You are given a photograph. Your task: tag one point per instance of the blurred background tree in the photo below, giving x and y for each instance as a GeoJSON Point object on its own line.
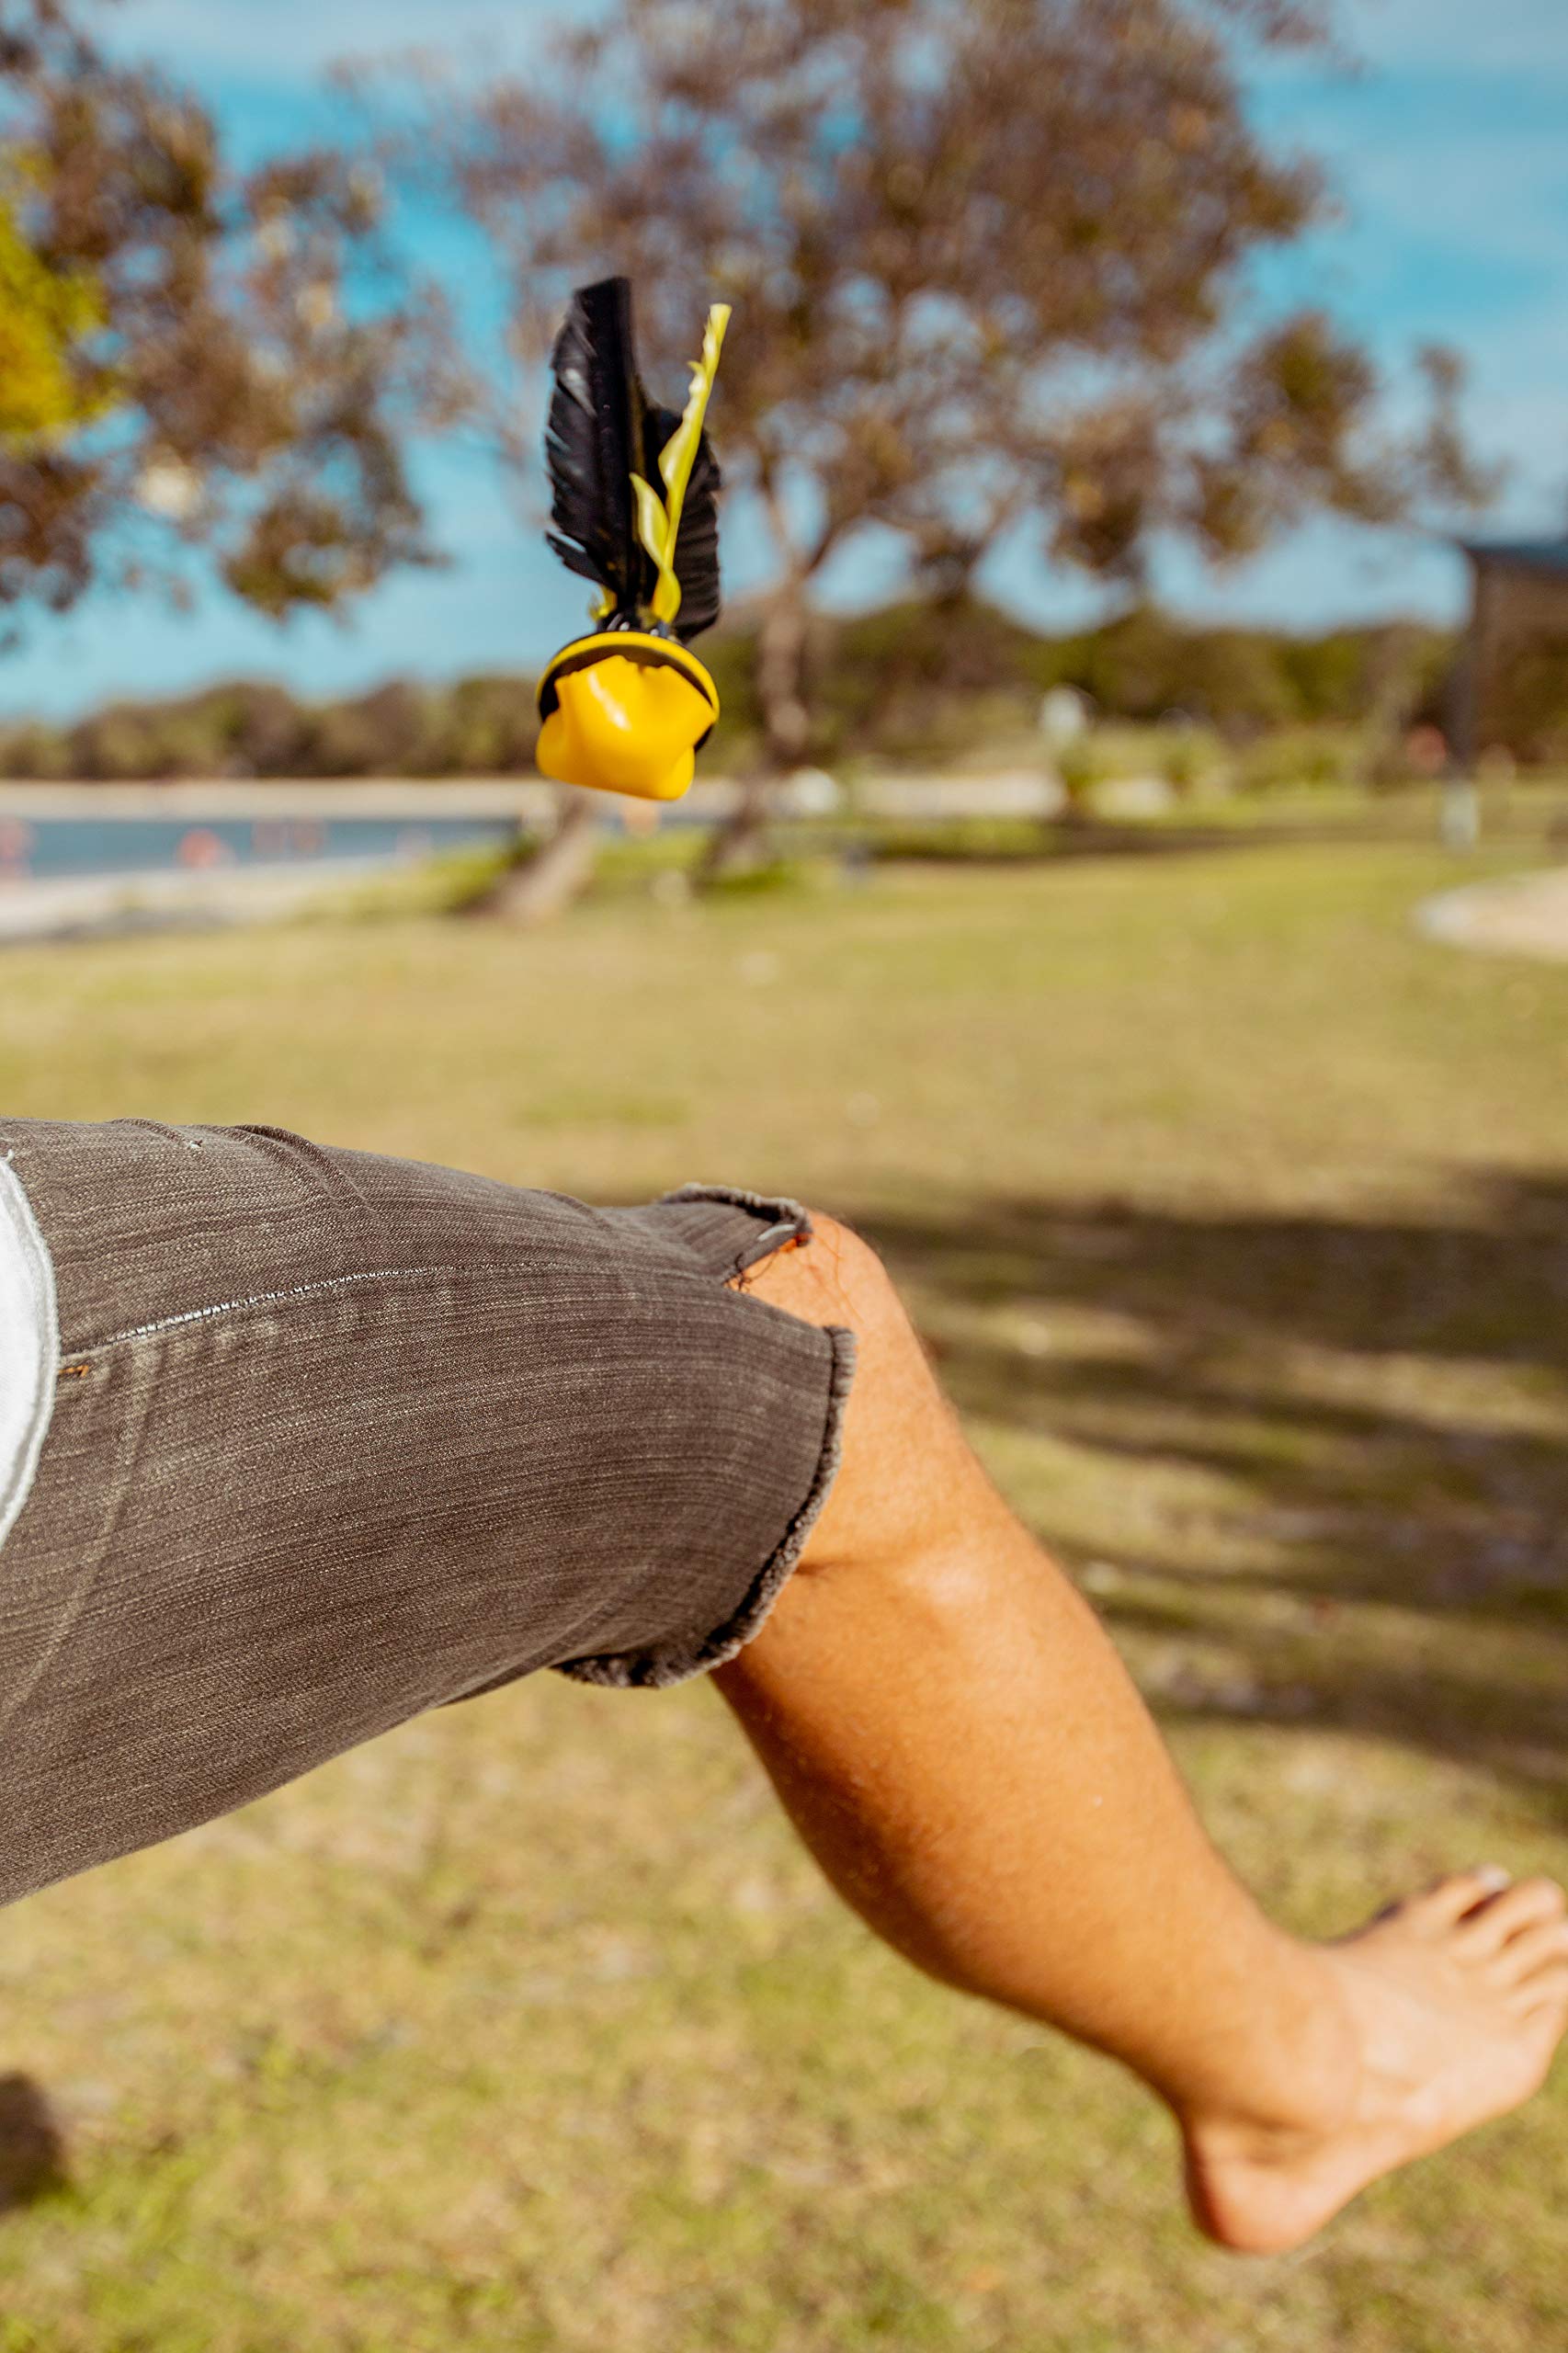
{"type": "Point", "coordinates": [196, 362]}
{"type": "Point", "coordinates": [47, 315]}
{"type": "Point", "coordinates": [989, 261]}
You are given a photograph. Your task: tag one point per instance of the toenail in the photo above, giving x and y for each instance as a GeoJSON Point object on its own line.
{"type": "Point", "coordinates": [1494, 1876]}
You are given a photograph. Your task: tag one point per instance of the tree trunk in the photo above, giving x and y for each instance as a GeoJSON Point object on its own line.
{"type": "Point", "coordinates": [740, 842]}
{"type": "Point", "coordinates": [557, 872]}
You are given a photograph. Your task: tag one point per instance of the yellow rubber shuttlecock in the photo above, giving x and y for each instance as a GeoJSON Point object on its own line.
{"type": "Point", "coordinates": [625, 712]}
{"type": "Point", "coordinates": [634, 508]}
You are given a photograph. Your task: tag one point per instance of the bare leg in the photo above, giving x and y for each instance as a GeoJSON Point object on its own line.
{"type": "Point", "coordinates": [960, 1749]}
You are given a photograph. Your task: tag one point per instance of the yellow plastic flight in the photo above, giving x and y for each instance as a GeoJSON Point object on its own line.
{"type": "Point", "coordinates": [658, 519]}
{"type": "Point", "coordinates": [625, 711]}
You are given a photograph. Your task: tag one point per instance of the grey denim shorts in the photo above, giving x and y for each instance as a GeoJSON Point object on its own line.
{"type": "Point", "coordinates": [338, 1438]}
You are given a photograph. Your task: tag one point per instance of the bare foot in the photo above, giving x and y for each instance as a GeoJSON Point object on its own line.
{"type": "Point", "coordinates": [1457, 2001]}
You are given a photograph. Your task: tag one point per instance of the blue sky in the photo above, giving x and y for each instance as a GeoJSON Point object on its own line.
{"type": "Point", "coordinates": [1448, 154]}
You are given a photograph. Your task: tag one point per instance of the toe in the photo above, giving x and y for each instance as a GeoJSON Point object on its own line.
{"type": "Point", "coordinates": [1487, 1927]}
{"type": "Point", "coordinates": [1544, 1994]}
{"type": "Point", "coordinates": [1535, 1948]}
{"type": "Point", "coordinates": [1447, 1900]}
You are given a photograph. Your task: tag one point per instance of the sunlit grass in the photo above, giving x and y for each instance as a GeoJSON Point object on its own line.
{"type": "Point", "coordinates": [1237, 1217]}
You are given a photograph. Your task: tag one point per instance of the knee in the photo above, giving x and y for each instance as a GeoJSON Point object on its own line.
{"type": "Point", "coordinates": [851, 1271]}
{"type": "Point", "coordinates": [834, 1277]}
{"type": "Point", "coordinates": [901, 1453]}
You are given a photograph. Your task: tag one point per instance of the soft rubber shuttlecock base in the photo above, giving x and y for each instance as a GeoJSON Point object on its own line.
{"type": "Point", "coordinates": [625, 712]}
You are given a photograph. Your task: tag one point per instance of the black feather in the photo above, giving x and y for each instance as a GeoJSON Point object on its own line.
{"type": "Point", "coordinates": [595, 442]}
{"type": "Point", "coordinates": [601, 430]}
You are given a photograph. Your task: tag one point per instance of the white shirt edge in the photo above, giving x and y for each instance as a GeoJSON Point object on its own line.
{"type": "Point", "coordinates": [40, 1355]}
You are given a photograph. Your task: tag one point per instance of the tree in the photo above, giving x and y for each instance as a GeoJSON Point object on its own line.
{"type": "Point", "coordinates": [193, 359]}
{"type": "Point", "coordinates": [46, 316]}
{"type": "Point", "coordinates": [989, 267]}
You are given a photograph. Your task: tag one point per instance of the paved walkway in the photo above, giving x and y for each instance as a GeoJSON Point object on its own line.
{"type": "Point", "coordinates": [1527, 916]}
{"type": "Point", "coordinates": [82, 906]}
{"type": "Point", "coordinates": [201, 801]}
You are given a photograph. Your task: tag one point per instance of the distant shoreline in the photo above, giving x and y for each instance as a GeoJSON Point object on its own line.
{"type": "Point", "coordinates": [60, 906]}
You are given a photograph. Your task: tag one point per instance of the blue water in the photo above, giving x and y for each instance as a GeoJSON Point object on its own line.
{"type": "Point", "coordinates": [53, 845]}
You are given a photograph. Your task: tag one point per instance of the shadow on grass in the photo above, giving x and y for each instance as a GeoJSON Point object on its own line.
{"type": "Point", "coordinates": [1018, 841]}
{"type": "Point", "coordinates": [1379, 1413]}
{"type": "Point", "coordinates": [32, 2146]}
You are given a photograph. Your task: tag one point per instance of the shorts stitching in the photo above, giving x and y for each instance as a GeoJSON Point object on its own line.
{"type": "Point", "coordinates": [261, 1298]}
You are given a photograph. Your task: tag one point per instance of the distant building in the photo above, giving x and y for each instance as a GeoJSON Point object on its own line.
{"type": "Point", "coordinates": [1513, 686]}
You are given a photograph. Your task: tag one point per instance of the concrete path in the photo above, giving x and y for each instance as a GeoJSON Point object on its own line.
{"type": "Point", "coordinates": [77, 907]}
{"type": "Point", "coordinates": [407, 799]}
{"type": "Point", "coordinates": [1005, 792]}
{"type": "Point", "coordinates": [1526, 915]}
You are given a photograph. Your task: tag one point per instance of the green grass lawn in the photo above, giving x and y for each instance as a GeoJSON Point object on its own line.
{"type": "Point", "coordinates": [1237, 1217]}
